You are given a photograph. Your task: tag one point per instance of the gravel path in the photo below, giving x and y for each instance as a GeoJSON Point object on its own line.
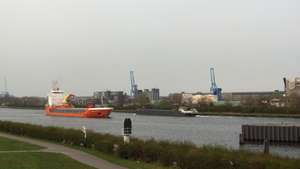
{"type": "Point", "coordinates": [77, 155]}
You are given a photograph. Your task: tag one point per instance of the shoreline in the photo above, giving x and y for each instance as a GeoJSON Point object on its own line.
{"type": "Point", "coordinates": [252, 115]}
{"type": "Point", "coordinates": [176, 114]}
{"type": "Point", "coordinates": [232, 114]}
{"type": "Point", "coordinates": [25, 108]}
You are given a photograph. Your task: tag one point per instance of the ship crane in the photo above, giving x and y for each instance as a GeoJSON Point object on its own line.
{"type": "Point", "coordinates": [134, 86]}
{"type": "Point", "coordinates": [214, 88]}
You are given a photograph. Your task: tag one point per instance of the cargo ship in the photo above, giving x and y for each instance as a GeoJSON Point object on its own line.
{"type": "Point", "coordinates": [59, 104]}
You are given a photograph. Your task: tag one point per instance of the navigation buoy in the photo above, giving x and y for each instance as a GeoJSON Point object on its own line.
{"type": "Point", "coordinates": [127, 130]}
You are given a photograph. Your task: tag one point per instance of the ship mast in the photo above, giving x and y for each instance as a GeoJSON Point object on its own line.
{"type": "Point", "coordinates": [55, 85]}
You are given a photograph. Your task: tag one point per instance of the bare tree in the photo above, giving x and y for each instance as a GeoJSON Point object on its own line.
{"type": "Point", "coordinates": [142, 100]}
{"type": "Point", "coordinates": [176, 99]}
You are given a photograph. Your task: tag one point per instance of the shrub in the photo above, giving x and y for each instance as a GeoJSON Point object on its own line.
{"type": "Point", "coordinates": [183, 155]}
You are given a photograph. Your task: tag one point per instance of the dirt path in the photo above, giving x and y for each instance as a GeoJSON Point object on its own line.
{"type": "Point", "coordinates": [77, 155]}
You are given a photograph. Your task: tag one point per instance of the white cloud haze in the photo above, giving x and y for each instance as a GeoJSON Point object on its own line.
{"type": "Point", "coordinates": [92, 45]}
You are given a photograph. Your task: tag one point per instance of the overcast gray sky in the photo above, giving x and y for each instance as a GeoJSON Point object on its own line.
{"type": "Point", "coordinates": [90, 45]}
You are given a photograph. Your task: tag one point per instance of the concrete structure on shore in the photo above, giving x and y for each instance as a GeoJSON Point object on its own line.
{"type": "Point", "coordinates": [276, 134]}
{"type": "Point", "coordinates": [292, 86]}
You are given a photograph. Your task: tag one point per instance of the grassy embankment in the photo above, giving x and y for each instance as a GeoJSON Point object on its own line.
{"type": "Point", "coordinates": [13, 145]}
{"type": "Point", "coordinates": [183, 155]}
{"type": "Point", "coordinates": [39, 160]}
{"type": "Point", "coordinates": [29, 160]}
{"type": "Point", "coordinates": [10, 159]}
{"type": "Point", "coordinates": [130, 164]}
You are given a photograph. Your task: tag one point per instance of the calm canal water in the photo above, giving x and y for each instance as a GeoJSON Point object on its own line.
{"type": "Point", "coordinates": [205, 130]}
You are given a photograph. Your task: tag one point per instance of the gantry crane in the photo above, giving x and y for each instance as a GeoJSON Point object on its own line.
{"type": "Point", "coordinates": [214, 88]}
{"type": "Point", "coordinates": [134, 86]}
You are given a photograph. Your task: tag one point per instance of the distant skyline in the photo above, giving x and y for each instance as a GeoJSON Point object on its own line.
{"type": "Point", "coordinates": [91, 45]}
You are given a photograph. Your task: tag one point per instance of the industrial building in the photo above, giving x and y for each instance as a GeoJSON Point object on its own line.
{"type": "Point", "coordinates": [83, 101]}
{"type": "Point", "coordinates": [4, 94]}
{"type": "Point", "coordinates": [110, 97]}
{"type": "Point", "coordinates": [292, 86]}
{"type": "Point", "coordinates": [153, 95]}
{"type": "Point", "coordinates": [273, 98]}
{"type": "Point", "coordinates": [240, 96]}
{"type": "Point", "coordinates": [198, 98]}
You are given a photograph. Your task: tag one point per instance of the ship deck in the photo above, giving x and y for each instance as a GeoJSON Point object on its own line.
{"type": "Point", "coordinates": [69, 110]}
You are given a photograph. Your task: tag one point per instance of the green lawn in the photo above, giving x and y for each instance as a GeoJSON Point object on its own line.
{"type": "Point", "coordinates": [130, 164]}
{"type": "Point", "coordinates": [33, 160]}
{"type": "Point", "coordinates": [43, 160]}
{"type": "Point", "coordinates": [38, 160]}
{"type": "Point", "coordinates": [13, 145]}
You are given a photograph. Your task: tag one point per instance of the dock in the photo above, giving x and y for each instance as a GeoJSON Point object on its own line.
{"type": "Point", "coordinates": [274, 134]}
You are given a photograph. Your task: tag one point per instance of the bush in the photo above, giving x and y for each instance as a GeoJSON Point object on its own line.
{"type": "Point", "coordinates": [183, 155]}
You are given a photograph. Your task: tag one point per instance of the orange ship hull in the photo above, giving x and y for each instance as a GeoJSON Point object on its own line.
{"type": "Point", "coordinates": [78, 112]}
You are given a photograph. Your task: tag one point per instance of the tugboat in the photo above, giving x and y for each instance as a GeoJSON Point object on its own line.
{"type": "Point", "coordinates": [59, 104]}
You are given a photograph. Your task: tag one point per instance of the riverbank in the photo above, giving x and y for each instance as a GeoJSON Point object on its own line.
{"type": "Point", "coordinates": [163, 112]}
{"type": "Point", "coordinates": [176, 114]}
{"type": "Point", "coordinates": [19, 144]}
{"type": "Point", "coordinates": [25, 108]}
{"type": "Point", "coordinates": [251, 114]}
{"type": "Point", "coordinates": [182, 155]}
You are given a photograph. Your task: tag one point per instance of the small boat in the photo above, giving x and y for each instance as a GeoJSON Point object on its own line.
{"type": "Point", "coordinates": [188, 112]}
{"type": "Point", "coordinates": [59, 104]}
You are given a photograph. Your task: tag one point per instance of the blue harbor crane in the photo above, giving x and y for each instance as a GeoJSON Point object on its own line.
{"type": "Point", "coordinates": [214, 88]}
{"type": "Point", "coordinates": [134, 86]}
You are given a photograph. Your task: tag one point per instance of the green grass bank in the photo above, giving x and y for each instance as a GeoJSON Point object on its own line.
{"type": "Point", "coordinates": [38, 160]}
{"type": "Point", "coordinates": [13, 145]}
{"type": "Point", "coordinates": [18, 155]}
{"type": "Point", "coordinates": [181, 155]}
